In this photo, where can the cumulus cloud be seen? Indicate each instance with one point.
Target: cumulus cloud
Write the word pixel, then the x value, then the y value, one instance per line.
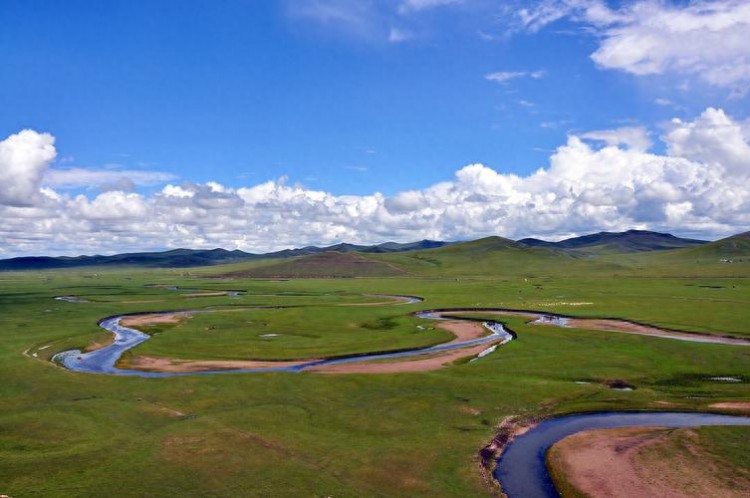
pixel 603 180
pixel 634 137
pixel 24 158
pixel 707 39
pixel 713 138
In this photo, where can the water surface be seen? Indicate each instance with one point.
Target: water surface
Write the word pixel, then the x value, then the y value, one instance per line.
pixel 522 470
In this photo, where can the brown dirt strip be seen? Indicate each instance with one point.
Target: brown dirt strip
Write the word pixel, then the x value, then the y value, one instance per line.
pixel 626 327
pixel 153 319
pixel 732 405
pixel 206 294
pixel 638 329
pixel 172 365
pixel 612 325
pixel 621 463
pixel 411 364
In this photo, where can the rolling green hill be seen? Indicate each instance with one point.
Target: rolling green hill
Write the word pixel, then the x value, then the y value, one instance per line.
pixel 618 242
pixel 489 256
pixel 736 246
pixel 331 264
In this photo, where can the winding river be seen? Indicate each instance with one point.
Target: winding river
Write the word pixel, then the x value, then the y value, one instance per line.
pixel 104 360
pixel 522 470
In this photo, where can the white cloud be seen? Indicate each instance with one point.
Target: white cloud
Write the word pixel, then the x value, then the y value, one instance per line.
pixel 84 177
pixel 713 138
pixel 699 186
pixel 706 39
pixel 504 77
pixel 24 157
pixel 408 6
pixel 177 191
pixel 633 137
pixel 112 205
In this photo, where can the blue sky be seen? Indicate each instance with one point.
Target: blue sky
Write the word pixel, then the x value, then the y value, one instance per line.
pixel 351 98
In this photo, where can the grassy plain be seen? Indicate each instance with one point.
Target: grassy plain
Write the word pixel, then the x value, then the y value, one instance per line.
pixel 306 434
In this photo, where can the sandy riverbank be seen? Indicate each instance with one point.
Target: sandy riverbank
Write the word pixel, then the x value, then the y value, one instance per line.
pixel 173 365
pixel 625 463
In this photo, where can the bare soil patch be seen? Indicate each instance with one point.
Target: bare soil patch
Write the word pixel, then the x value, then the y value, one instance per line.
pixel 99 344
pixel 621 463
pixel 173 365
pixel 152 319
pixel 732 405
pixel 412 364
pixel 618 326
pixel 638 329
pixel 464 331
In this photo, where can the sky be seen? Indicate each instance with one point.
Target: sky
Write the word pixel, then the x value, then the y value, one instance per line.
pixel 266 124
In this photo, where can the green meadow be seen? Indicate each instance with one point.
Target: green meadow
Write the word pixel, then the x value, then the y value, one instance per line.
pixel 305 434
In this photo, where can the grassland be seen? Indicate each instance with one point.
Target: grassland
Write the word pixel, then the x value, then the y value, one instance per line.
pixel 283 434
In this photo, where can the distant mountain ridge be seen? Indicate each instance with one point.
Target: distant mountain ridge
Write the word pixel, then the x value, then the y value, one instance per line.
pixel 186 258
pixel 629 241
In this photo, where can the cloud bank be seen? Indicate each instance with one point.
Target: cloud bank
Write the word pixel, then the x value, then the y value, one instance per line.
pixel 605 180
pixel 706 39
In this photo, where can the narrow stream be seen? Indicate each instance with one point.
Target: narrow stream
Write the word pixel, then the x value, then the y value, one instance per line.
pixel 522 470
pixel 104 360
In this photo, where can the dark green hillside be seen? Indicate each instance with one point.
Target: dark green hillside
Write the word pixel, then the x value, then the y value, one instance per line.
pixel 186 258
pixel 728 257
pixel 176 258
pixel 324 265
pixel 736 246
pixel 618 242
pixel 494 256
